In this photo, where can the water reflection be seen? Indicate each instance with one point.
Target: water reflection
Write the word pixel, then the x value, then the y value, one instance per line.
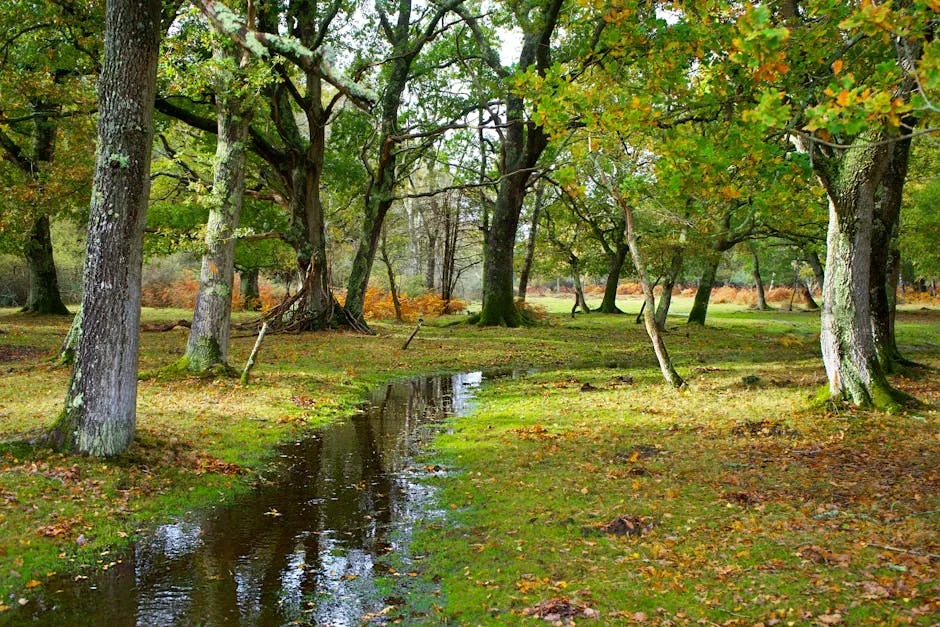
pixel 304 547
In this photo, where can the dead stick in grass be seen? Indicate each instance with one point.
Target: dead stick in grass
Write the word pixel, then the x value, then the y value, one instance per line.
pixel 254 353
pixel 932 556
pixel 413 334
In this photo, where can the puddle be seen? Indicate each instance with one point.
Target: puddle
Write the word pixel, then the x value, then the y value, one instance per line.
pixel 307 546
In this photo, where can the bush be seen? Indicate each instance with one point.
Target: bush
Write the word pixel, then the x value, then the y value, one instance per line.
pixel 379 305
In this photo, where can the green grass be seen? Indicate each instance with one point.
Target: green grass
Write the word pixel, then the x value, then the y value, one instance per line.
pixel 749 528
pixel 515 533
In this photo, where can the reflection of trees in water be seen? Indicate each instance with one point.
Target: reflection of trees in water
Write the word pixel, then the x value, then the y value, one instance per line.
pixel 337 497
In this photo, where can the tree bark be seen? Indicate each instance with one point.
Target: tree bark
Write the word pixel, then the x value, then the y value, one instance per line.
pixel 812 258
pixel 665 297
pixel 659 346
pixel 392 287
pixel 44 296
pixel 530 246
pixel 207 347
pixel 704 292
pixel 758 283
pixel 100 406
pixel 617 258
pixel 885 258
pixel 852 366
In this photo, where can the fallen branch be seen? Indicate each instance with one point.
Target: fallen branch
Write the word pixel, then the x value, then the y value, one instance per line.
pixel 161 327
pixel 413 334
pixel 932 556
pixel 254 353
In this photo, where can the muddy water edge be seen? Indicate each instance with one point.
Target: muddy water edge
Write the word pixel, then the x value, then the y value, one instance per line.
pixel 322 540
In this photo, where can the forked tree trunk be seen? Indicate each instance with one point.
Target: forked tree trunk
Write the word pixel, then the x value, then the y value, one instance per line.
pixel 659 346
pixel 758 282
pixel 616 260
pixel 100 405
pixel 207 347
pixel 579 300
pixel 44 296
pixel 806 295
pixel 704 292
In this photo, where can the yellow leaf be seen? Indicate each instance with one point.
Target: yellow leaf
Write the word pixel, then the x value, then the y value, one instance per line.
pixel 33 583
pixel 843 98
pixel 837 66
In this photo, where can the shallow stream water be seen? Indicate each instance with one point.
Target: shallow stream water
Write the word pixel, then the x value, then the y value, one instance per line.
pixel 309 545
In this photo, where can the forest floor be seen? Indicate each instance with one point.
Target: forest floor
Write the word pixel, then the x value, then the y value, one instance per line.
pixel 585 488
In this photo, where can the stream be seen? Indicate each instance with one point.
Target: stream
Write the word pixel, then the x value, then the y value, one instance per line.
pixel 309 545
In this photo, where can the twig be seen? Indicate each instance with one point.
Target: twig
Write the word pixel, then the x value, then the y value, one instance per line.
pixel 413 334
pixel 932 556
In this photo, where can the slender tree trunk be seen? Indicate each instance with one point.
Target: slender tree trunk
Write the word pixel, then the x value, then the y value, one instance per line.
pixel 615 267
pixel 100 406
pixel 813 260
pixel 207 347
pixel 44 296
pixel 758 283
pixel 704 292
pixel 806 295
pixel 251 294
pixel 392 287
pixel 665 297
pixel 530 246
pixel 579 300
pixel 659 346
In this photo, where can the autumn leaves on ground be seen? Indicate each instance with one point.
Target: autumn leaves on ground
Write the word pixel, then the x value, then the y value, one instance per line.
pixel 583 491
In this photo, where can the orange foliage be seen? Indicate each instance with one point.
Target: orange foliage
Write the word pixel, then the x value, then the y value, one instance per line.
pixel 180 293
pixel 379 305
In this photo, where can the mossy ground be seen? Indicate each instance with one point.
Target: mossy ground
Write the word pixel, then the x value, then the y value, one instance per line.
pixel 725 505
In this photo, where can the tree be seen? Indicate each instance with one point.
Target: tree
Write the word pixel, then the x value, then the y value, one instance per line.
pixel 522 141
pixel 48 51
pixel 100 406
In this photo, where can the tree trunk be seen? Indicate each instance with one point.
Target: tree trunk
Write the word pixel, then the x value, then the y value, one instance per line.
pixel 885 258
pixel 704 292
pixel 617 258
pixel 665 297
pixel 251 294
pixel 44 296
pixel 806 295
pixel 207 347
pixel 848 349
pixel 659 346
pixel 530 246
pixel 758 283
pixel 392 288
pixel 100 406
pixel 813 260
pixel 498 306
pixel 579 300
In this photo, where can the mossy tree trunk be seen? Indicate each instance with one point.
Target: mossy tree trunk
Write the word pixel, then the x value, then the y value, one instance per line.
pixel 851 180
pixel 100 406
pixel 207 347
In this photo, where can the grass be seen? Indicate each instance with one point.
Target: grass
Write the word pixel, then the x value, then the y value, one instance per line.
pixel 541 463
